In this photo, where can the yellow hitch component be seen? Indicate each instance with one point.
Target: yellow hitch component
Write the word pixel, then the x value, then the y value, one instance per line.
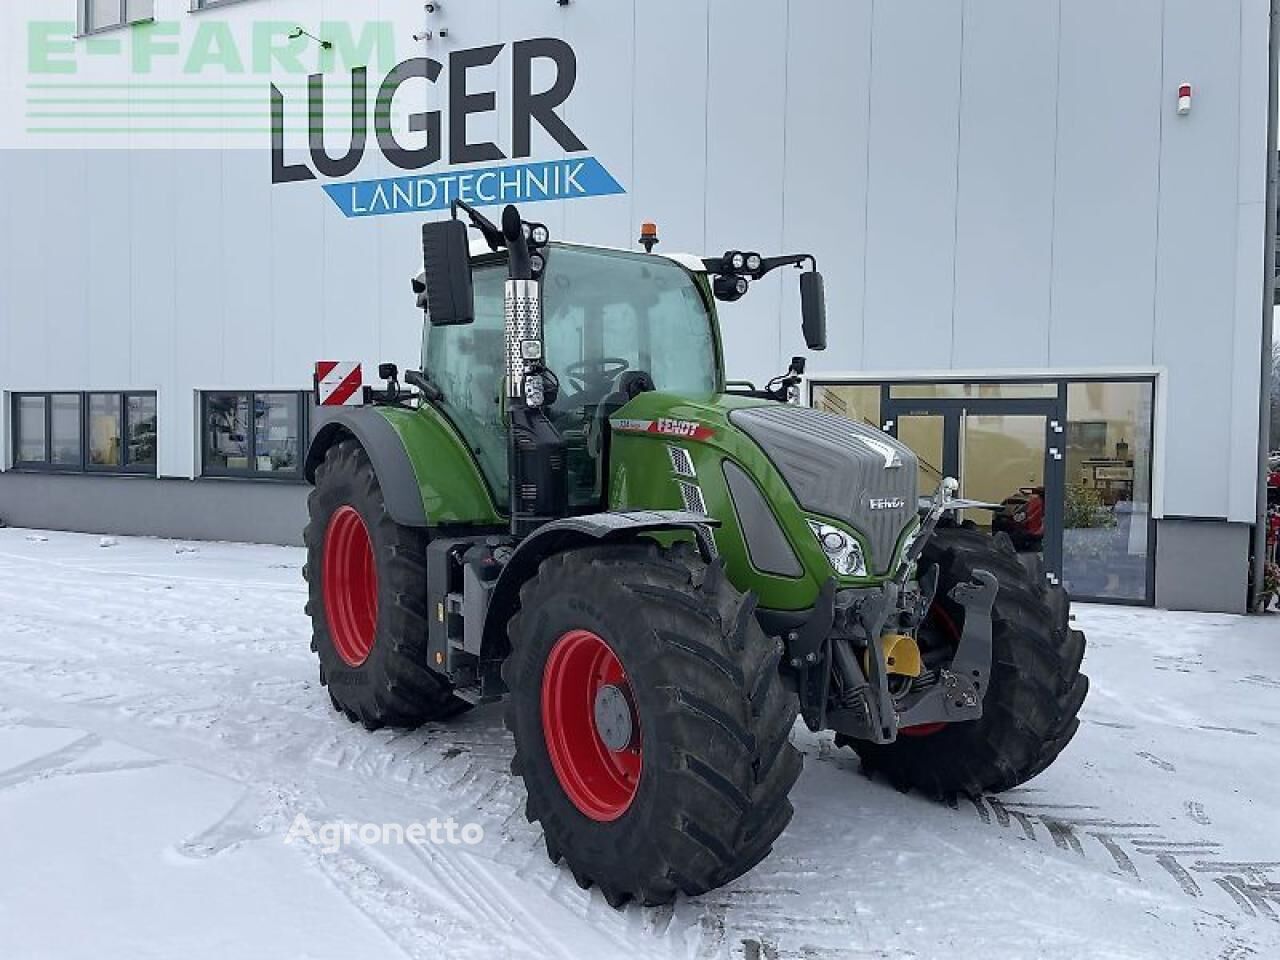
pixel 901 655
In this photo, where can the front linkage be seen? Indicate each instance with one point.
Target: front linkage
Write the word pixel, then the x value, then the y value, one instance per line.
pixel 840 691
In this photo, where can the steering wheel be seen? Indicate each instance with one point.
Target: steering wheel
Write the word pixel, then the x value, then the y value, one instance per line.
pixel 597 372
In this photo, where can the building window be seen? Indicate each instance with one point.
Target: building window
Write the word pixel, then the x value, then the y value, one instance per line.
pixel 121 431
pixel 858 402
pixel 64 431
pixel 99 15
pixel 83 432
pixel 250 434
pixel 1106 531
pixel 31 434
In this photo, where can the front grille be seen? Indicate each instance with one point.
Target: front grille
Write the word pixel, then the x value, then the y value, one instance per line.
pixel 681 462
pixel 691 493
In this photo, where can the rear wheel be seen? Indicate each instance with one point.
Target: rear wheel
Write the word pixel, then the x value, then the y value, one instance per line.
pixel 651 725
pixel 1036 688
pixel 367 585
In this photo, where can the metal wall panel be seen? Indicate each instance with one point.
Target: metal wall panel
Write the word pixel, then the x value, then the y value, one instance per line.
pixel 202 255
pixel 1106 184
pixel 155 326
pixel 1250 265
pixel 824 193
pixel 911 207
pixel 70 306
pixel 108 270
pixel 603 37
pixel 670 141
pixel 272 262
pixel 1004 220
pixel 30 234
pixel 746 100
pixel 7 356
pixel 1196 253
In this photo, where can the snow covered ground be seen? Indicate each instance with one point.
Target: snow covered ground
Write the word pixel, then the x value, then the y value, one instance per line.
pixel 161 729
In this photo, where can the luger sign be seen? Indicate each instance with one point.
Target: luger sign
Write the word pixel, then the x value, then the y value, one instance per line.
pixel 576 175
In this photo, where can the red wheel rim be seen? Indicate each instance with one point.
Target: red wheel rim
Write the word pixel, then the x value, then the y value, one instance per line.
pixel 350 582
pixel 599 781
pixel 948 626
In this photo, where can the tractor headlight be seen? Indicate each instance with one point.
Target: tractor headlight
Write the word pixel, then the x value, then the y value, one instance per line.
pixel 737 260
pixel 842 549
pixel 754 262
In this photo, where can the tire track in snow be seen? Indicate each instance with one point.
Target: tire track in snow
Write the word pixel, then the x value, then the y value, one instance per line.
pixel 1253 886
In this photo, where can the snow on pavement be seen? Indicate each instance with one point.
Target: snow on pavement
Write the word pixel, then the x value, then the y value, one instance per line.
pixel 162 727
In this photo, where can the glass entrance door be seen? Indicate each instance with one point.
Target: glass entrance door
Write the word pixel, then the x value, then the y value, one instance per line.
pixel 1002 460
pixel 926 434
pixel 1005 452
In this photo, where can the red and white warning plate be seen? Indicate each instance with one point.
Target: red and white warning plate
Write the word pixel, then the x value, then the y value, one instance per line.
pixel 338 383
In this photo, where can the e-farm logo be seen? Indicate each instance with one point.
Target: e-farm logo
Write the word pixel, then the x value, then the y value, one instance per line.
pixel 324 99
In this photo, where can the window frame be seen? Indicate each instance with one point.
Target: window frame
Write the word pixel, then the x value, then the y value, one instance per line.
pixel 122 411
pixel 84 18
pixel 82 402
pixel 211 471
pixel 200 6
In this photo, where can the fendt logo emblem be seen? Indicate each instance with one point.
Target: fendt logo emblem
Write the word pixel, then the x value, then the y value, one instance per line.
pixel 886 450
pixel 886 503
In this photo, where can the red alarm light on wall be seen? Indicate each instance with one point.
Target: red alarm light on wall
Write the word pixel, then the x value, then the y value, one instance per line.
pixel 1184 99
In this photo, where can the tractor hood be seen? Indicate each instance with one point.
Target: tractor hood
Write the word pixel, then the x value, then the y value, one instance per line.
pixel 838 468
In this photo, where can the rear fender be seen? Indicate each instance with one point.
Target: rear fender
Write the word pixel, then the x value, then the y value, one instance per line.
pixel 391 463
pixel 428 474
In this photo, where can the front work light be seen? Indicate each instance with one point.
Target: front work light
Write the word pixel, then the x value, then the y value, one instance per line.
pixel 730 288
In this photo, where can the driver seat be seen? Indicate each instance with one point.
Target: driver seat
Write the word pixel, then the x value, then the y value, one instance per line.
pixel 630 384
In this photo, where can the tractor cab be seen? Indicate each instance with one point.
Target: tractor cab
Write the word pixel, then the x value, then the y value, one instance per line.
pixel 615 324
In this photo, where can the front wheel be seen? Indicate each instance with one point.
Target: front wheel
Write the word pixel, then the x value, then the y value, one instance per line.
pixel 651 725
pixel 1036 687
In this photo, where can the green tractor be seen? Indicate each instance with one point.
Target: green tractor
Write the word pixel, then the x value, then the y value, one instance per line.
pixel 573 510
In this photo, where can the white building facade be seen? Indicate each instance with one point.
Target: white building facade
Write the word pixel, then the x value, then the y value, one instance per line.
pixel 1044 267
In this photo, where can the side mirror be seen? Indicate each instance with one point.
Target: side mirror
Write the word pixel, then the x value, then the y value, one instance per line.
pixel 813 310
pixel 445 283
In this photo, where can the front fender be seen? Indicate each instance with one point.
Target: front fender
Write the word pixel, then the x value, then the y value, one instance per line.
pixel 571 532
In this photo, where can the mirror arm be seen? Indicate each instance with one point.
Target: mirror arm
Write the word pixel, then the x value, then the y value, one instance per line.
pixel 717 265
pixel 416 378
pixel 769 264
pixel 492 234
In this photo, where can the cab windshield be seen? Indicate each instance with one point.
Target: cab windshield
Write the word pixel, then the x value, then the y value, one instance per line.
pixel 605 314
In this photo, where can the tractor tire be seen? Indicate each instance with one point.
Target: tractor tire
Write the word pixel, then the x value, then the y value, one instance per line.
pixel 367 599
pixel 1036 687
pixel 681 783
